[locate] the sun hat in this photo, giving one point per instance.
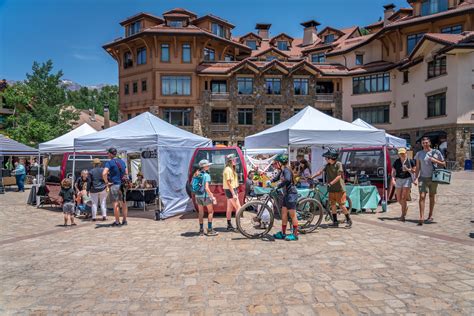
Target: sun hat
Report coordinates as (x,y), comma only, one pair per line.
(204,163)
(402,150)
(230,157)
(96,161)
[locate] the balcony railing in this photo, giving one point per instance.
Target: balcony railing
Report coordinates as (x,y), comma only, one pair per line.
(219,127)
(325,97)
(216,96)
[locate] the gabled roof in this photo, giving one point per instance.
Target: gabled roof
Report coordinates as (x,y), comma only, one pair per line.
(215,19)
(328,28)
(401,13)
(304,64)
(374,25)
(248,35)
(320,45)
(280,36)
(448,40)
(275,64)
(271,49)
(140,16)
(181,11)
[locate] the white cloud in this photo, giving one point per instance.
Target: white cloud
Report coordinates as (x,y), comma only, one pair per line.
(85,56)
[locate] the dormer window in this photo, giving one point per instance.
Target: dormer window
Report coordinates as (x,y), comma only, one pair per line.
(134,28)
(252,44)
(328,38)
(217,29)
(282,45)
(318,58)
(433,6)
(176,23)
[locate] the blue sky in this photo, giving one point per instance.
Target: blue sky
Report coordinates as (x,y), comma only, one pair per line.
(72,32)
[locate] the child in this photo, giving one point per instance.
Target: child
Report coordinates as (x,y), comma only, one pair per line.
(336,187)
(204,197)
(67,195)
(249,185)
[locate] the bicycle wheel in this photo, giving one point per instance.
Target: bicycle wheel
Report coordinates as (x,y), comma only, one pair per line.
(310,214)
(254,219)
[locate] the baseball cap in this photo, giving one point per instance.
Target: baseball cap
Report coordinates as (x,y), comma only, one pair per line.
(112,151)
(204,163)
(402,151)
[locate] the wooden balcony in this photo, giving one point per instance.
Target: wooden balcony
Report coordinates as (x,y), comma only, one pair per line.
(219,127)
(324,97)
(219,96)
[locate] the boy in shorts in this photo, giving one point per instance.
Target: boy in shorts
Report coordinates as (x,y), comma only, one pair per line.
(68,196)
(206,199)
(336,188)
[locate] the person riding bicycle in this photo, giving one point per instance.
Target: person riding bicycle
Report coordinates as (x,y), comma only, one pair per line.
(336,188)
(290,197)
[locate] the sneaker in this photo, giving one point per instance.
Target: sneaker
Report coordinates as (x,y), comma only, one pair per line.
(291,237)
(349,224)
(124,223)
(230,228)
(279,235)
(201,232)
(334,224)
(211,232)
(104,218)
(93,219)
(115,224)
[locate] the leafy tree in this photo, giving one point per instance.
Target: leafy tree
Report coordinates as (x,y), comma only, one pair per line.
(42,95)
(85,98)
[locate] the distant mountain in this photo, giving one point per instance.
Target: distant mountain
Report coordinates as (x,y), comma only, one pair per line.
(70,85)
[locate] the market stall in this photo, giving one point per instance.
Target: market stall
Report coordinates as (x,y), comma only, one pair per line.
(391,140)
(312,128)
(166,151)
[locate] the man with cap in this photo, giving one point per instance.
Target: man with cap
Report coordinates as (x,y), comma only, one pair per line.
(98,189)
(205,199)
(115,170)
(230,184)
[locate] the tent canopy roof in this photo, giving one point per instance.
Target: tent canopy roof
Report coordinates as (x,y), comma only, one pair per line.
(11,147)
(139,133)
(390,139)
(310,127)
(65,143)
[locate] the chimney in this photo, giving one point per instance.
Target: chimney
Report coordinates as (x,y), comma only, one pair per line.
(310,33)
(92,115)
(388,12)
(106,116)
(263,30)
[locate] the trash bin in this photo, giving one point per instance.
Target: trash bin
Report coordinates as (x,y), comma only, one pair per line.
(468,164)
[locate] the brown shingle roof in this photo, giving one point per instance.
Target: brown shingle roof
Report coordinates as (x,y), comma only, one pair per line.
(139,16)
(97,122)
(181,10)
(214,18)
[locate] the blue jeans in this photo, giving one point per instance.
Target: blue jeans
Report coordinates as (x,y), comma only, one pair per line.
(20,181)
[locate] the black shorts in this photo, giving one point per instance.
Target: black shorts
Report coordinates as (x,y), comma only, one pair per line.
(228,193)
(289,201)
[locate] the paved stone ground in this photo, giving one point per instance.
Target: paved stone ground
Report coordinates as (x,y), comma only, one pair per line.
(380,266)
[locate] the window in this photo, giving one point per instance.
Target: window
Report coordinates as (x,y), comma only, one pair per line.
(412,40)
(371,84)
(129,116)
(219,116)
(437,67)
(405,76)
(186,53)
(282,45)
(456,29)
(209,54)
(271,57)
(359,59)
(178,117)
(176,23)
(176,85)
(165,52)
(318,58)
(252,44)
(300,86)
(135,87)
(126,89)
(296,111)
(372,114)
(273,85)
(244,85)
(405,110)
(218,86)
(228,58)
(245,116)
(433,6)
(134,28)
(328,38)
(437,105)
(143,85)
(327,112)
(324,87)
(141,56)
(273,116)
(127,60)
(217,29)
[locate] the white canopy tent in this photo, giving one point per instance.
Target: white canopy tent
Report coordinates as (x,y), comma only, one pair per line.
(65,143)
(312,128)
(390,139)
(174,147)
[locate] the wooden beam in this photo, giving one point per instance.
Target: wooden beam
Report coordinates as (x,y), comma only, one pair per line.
(175,42)
(194,48)
(224,51)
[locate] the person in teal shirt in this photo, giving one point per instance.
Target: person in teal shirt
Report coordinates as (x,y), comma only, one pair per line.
(20,175)
(205,199)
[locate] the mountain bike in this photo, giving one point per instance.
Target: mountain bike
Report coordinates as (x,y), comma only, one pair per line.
(323,198)
(255,218)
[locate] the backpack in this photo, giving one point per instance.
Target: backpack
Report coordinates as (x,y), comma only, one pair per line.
(197,184)
(123,177)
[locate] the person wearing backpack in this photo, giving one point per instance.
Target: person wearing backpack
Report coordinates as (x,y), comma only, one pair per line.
(204,196)
(115,175)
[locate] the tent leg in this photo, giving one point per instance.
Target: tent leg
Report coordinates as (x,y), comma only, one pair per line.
(384,199)
(73,167)
(39,169)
